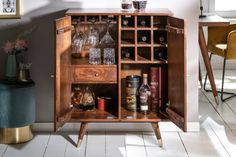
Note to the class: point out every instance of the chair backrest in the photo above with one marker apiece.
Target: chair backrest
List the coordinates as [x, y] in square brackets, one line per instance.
[231, 45]
[219, 35]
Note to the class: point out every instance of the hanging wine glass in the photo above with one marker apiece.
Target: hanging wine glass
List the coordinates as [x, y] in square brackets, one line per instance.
[78, 42]
[93, 37]
[107, 39]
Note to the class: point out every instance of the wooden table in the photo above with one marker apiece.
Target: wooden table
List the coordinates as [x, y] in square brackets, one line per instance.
[209, 21]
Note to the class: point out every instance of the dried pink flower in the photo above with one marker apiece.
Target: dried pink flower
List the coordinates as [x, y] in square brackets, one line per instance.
[20, 45]
[8, 47]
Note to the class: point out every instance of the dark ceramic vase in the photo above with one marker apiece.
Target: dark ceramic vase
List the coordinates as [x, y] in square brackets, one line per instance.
[11, 68]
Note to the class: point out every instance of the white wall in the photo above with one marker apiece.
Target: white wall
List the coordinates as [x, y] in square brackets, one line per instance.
[38, 16]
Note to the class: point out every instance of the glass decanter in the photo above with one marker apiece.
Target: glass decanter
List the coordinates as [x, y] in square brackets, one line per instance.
[78, 42]
[88, 100]
[77, 97]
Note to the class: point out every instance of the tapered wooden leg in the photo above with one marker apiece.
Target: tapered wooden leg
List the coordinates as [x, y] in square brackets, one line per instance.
[82, 132]
[156, 129]
[204, 51]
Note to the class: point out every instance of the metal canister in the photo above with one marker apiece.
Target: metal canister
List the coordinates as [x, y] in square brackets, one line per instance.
[132, 84]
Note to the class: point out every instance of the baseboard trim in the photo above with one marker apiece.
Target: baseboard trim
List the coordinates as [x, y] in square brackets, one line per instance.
[164, 126]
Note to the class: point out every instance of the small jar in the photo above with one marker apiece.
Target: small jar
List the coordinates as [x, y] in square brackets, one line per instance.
[126, 5]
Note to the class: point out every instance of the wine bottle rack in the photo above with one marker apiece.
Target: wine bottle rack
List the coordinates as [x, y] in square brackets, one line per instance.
[141, 35]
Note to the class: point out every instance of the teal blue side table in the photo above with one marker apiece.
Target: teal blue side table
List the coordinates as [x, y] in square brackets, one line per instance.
[17, 111]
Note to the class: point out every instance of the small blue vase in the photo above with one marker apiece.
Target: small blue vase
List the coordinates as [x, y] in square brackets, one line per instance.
[11, 68]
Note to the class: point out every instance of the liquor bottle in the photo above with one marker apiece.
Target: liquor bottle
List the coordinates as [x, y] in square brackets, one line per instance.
[154, 75]
[144, 95]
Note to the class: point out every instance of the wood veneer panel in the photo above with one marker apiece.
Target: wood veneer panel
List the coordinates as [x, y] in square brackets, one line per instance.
[176, 73]
[62, 71]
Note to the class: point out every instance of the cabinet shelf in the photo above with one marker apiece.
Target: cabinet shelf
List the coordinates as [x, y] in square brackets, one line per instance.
[92, 116]
[84, 62]
[143, 44]
[143, 62]
[160, 45]
[160, 29]
[127, 115]
[127, 28]
[127, 45]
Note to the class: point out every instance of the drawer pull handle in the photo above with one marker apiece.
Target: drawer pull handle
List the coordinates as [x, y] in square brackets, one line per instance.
[96, 74]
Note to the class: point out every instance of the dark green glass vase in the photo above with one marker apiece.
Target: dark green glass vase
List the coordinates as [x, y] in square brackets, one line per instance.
[11, 68]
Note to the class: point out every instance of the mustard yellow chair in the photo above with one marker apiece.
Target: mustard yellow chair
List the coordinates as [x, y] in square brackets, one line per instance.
[222, 42]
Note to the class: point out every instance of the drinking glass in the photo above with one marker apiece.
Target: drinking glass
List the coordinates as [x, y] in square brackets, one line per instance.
[78, 43]
[107, 39]
[109, 56]
[93, 37]
[95, 56]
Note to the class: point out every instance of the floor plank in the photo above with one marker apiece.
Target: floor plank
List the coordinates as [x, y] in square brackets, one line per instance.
[203, 144]
[96, 144]
[226, 137]
[172, 145]
[72, 150]
[3, 148]
[34, 148]
[135, 145]
[56, 146]
[115, 144]
[225, 112]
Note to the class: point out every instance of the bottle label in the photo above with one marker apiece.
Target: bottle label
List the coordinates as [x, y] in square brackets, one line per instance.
[131, 91]
[143, 98]
[144, 108]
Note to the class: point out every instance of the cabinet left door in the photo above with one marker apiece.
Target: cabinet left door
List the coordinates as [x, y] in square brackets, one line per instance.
[62, 91]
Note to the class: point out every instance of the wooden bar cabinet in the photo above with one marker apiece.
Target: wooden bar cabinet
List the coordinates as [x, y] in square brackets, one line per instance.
[109, 80]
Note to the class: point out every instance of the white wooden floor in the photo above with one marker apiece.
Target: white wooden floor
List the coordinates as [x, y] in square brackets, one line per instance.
[217, 137]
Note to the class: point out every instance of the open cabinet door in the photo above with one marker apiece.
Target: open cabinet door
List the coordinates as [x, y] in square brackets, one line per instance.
[176, 73]
[62, 72]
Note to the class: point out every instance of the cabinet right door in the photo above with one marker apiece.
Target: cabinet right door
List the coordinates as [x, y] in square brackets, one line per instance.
[176, 73]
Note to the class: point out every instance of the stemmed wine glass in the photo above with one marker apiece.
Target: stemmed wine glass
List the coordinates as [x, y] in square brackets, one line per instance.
[107, 39]
[93, 37]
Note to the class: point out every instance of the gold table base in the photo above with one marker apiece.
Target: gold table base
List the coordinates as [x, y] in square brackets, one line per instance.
[15, 135]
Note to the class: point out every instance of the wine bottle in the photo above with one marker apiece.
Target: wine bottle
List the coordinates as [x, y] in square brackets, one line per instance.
[125, 53]
[143, 23]
[159, 53]
[142, 37]
[162, 40]
[144, 95]
[125, 22]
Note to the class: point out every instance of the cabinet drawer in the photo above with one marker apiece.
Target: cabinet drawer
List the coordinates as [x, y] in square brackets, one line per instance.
[95, 75]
